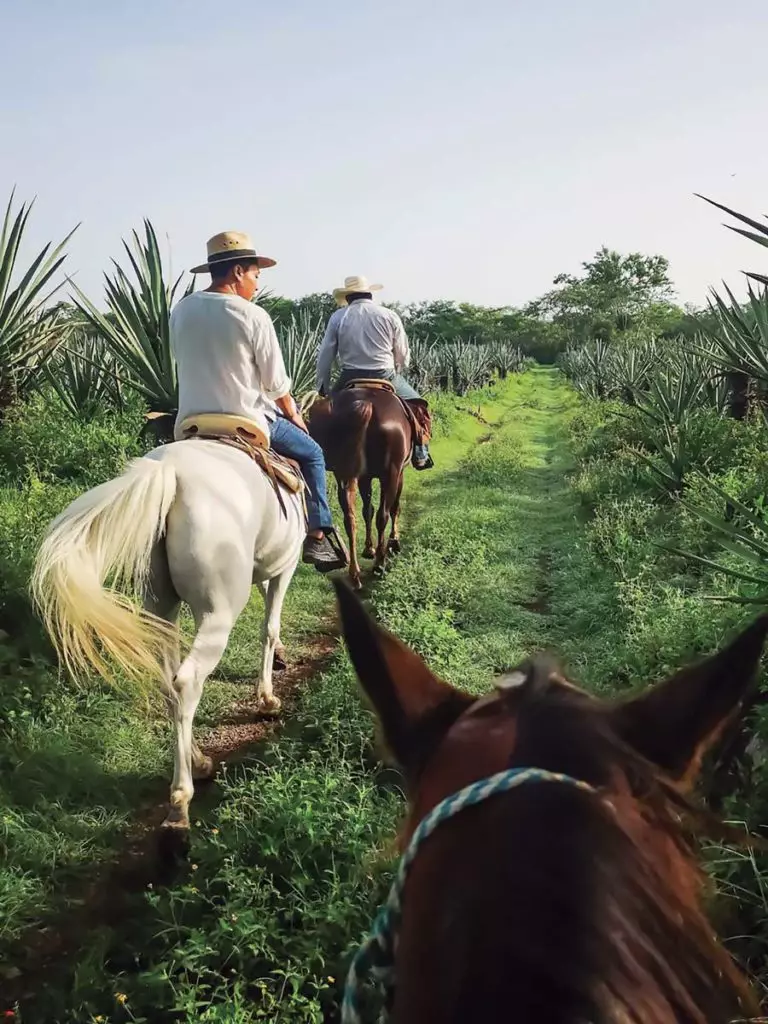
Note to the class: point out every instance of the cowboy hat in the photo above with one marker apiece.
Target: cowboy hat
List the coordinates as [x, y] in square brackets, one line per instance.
[356, 283]
[229, 247]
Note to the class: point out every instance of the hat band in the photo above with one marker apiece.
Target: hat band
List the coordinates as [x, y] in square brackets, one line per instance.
[232, 254]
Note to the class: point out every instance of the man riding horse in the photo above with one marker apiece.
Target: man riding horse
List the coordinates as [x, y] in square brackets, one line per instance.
[229, 362]
[369, 342]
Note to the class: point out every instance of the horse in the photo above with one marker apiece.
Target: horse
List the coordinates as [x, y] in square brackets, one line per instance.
[550, 871]
[366, 435]
[194, 521]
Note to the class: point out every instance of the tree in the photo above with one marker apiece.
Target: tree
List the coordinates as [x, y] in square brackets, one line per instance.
[616, 293]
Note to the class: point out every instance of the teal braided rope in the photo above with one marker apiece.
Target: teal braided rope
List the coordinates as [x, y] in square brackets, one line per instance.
[374, 961]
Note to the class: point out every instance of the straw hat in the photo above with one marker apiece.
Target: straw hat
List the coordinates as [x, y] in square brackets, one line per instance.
[356, 283]
[229, 247]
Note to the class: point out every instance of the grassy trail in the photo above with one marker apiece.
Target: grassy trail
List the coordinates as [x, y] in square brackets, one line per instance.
[291, 850]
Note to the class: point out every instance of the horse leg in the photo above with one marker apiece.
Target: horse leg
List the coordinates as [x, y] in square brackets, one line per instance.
[394, 538]
[273, 606]
[161, 599]
[207, 649]
[366, 493]
[279, 663]
[390, 483]
[347, 493]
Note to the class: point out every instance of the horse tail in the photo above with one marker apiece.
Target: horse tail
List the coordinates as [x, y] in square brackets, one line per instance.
[350, 425]
[108, 532]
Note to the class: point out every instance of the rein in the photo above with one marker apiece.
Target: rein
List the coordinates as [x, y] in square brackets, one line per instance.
[373, 964]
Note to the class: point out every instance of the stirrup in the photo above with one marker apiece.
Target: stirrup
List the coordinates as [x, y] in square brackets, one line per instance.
[337, 544]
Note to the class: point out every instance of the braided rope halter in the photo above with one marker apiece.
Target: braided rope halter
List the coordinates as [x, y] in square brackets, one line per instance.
[373, 964]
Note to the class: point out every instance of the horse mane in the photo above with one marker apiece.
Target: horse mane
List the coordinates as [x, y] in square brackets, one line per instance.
[619, 936]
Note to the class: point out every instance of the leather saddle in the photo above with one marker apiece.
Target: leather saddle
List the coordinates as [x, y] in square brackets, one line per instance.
[421, 429]
[248, 437]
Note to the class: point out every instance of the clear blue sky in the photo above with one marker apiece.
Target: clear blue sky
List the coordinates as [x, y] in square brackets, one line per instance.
[450, 150]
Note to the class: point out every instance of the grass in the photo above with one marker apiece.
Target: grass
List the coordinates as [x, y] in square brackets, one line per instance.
[508, 548]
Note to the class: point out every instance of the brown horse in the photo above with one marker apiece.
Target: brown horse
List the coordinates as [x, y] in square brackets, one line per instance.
[554, 903]
[366, 435]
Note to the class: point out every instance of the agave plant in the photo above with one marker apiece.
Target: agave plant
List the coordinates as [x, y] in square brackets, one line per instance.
[759, 234]
[84, 375]
[742, 533]
[299, 342]
[424, 370]
[506, 358]
[629, 368]
[28, 332]
[738, 343]
[590, 369]
[137, 328]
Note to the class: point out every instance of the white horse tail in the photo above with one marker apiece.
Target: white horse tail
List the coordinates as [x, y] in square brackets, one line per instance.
[107, 534]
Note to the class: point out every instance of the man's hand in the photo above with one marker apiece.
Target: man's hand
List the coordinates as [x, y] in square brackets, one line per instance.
[291, 412]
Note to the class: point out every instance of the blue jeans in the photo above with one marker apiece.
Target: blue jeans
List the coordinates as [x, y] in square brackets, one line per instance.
[289, 440]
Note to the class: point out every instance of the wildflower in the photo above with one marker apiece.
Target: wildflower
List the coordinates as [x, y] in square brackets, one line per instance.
[194, 867]
[215, 831]
[331, 979]
[233, 917]
[122, 998]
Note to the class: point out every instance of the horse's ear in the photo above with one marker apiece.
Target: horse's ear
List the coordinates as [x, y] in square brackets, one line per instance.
[410, 702]
[674, 723]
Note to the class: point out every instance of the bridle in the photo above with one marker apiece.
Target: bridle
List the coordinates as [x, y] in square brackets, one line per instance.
[373, 964]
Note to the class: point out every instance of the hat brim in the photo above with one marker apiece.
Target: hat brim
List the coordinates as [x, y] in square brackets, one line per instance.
[262, 262]
[340, 294]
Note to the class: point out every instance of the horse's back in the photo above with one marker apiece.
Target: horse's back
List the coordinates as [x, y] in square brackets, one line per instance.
[226, 519]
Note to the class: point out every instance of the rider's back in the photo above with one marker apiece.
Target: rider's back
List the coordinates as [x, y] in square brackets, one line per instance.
[225, 351]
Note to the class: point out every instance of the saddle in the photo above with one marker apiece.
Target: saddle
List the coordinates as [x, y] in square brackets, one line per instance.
[246, 436]
[421, 424]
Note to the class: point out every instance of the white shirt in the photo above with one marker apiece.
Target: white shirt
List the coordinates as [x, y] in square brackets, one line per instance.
[228, 358]
[363, 336]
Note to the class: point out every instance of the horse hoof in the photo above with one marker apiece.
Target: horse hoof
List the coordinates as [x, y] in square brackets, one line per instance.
[394, 545]
[355, 582]
[279, 664]
[203, 770]
[378, 571]
[270, 706]
[172, 847]
[369, 552]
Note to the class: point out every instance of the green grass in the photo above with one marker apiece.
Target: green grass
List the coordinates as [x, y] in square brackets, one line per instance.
[291, 852]
[525, 536]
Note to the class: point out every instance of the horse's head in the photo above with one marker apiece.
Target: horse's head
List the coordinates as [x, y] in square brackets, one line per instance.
[550, 902]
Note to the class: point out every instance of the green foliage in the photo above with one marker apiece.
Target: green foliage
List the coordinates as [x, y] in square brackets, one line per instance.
[299, 341]
[616, 293]
[85, 376]
[137, 333]
[28, 331]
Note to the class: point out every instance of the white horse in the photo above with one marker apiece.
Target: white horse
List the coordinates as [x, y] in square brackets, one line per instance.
[194, 521]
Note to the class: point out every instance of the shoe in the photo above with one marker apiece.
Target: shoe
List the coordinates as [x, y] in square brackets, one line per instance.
[421, 458]
[319, 551]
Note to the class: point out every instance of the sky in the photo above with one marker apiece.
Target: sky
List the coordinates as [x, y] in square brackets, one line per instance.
[455, 150]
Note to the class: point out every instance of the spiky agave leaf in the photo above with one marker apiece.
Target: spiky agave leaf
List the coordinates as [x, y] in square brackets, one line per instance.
[27, 331]
[138, 331]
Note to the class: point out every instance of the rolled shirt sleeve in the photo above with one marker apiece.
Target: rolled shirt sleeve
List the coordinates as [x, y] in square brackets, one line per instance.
[275, 381]
[326, 354]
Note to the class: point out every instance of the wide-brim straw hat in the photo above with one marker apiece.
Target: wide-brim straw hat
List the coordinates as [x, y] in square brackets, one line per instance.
[353, 285]
[230, 247]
